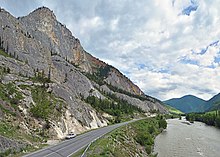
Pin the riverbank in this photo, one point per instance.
(181, 139)
(135, 139)
(210, 118)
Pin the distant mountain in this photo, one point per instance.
(212, 104)
(186, 104)
(215, 106)
(190, 103)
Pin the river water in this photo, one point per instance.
(183, 140)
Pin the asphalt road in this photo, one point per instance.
(71, 146)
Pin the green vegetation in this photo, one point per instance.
(79, 153)
(3, 71)
(209, 118)
(7, 111)
(8, 152)
(187, 104)
(173, 113)
(41, 77)
(133, 139)
(118, 108)
(45, 104)
(100, 75)
(141, 97)
(103, 72)
(12, 131)
(172, 116)
(215, 106)
(3, 53)
(162, 122)
(7, 130)
(10, 94)
(173, 110)
(2, 49)
(212, 104)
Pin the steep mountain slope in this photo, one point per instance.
(173, 110)
(212, 104)
(186, 104)
(47, 79)
(215, 106)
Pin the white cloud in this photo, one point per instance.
(88, 24)
(154, 34)
(114, 24)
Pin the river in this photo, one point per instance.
(184, 140)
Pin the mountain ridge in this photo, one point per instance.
(194, 104)
(213, 103)
(52, 86)
(187, 103)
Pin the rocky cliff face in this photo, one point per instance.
(12, 145)
(38, 46)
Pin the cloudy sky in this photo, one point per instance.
(169, 48)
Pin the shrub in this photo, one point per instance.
(43, 105)
(144, 138)
(151, 129)
(217, 122)
(148, 149)
(162, 123)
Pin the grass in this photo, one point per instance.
(210, 118)
(79, 153)
(46, 105)
(6, 111)
(10, 94)
(9, 127)
(135, 139)
(28, 149)
(7, 130)
(3, 53)
(173, 110)
(13, 132)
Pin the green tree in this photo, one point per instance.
(217, 122)
(162, 123)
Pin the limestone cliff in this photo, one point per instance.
(40, 58)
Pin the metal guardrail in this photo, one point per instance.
(84, 153)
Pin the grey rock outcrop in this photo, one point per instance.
(148, 104)
(14, 146)
(38, 43)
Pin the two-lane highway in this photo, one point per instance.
(69, 147)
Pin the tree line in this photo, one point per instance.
(116, 108)
(209, 118)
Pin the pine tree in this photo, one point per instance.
(7, 48)
(0, 42)
(8, 70)
(49, 74)
(65, 79)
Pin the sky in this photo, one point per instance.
(169, 48)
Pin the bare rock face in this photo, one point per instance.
(115, 78)
(146, 103)
(13, 145)
(39, 44)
